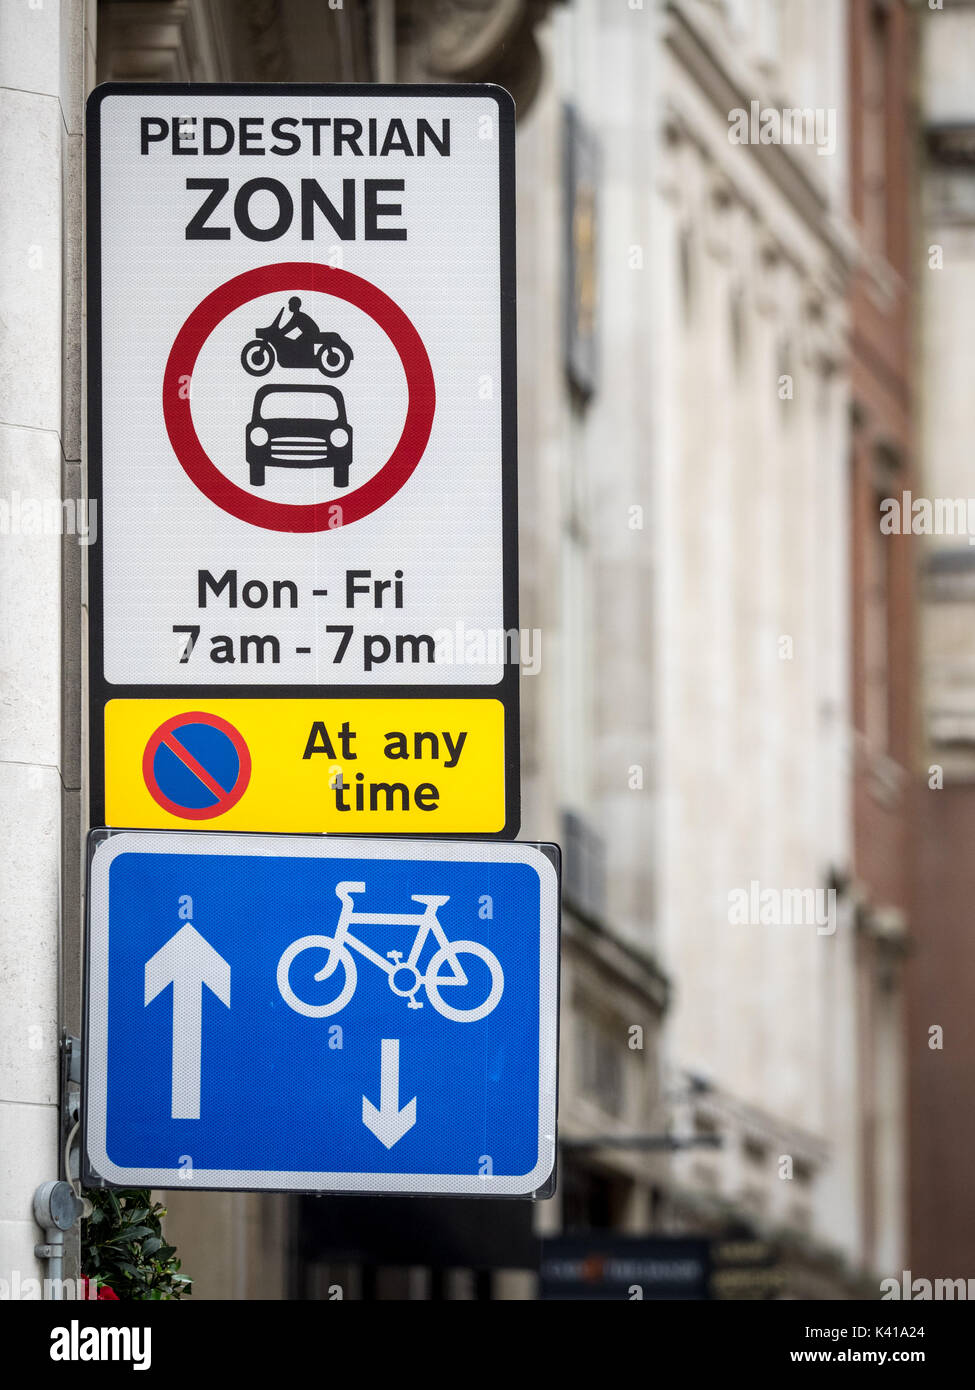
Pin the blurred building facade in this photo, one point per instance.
(727, 478)
(687, 503)
(941, 1035)
(760, 369)
(714, 393)
(752, 669)
(883, 607)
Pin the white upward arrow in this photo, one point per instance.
(389, 1123)
(187, 962)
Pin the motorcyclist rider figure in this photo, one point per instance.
(299, 325)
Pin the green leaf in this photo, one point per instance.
(123, 1246)
(130, 1233)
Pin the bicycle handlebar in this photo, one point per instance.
(345, 889)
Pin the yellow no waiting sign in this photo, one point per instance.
(306, 765)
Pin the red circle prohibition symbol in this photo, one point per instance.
(225, 797)
(288, 516)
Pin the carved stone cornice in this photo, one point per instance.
(231, 41)
(160, 41)
(690, 45)
(475, 41)
(467, 36)
(306, 40)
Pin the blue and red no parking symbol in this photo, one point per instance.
(196, 766)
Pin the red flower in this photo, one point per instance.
(104, 1292)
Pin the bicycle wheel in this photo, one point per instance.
(345, 960)
(433, 983)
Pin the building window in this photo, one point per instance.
(876, 601)
(591, 1200)
(583, 866)
(600, 1061)
(785, 381)
(705, 1122)
(874, 131)
(737, 331)
(685, 256)
(755, 1151)
(802, 1172)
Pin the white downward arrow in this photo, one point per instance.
(187, 962)
(389, 1123)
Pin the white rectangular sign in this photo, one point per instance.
(302, 452)
(302, 385)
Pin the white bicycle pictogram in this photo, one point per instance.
(405, 978)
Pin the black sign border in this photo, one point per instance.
(100, 692)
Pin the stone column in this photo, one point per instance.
(44, 65)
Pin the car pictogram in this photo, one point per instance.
(299, 427)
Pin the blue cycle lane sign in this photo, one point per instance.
(319, 1014)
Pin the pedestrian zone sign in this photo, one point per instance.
(302, 453)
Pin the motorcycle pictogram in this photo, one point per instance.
(297, 343)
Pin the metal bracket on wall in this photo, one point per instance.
(70, 1114)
